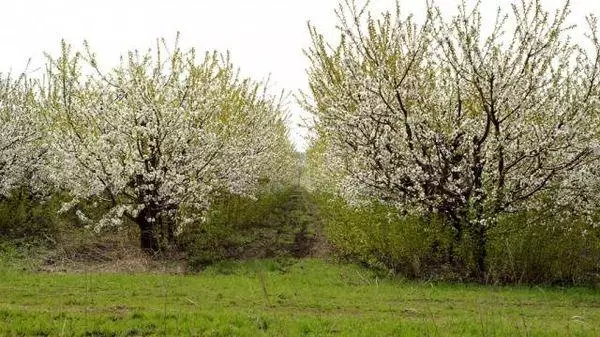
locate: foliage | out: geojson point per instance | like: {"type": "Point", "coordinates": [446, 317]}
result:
{"type": "Point", "coordinates": [277, 223]}
{"type": "Point", "coordinates": [26, 216]}
{"type": "Point", "coordinates": [377, 236]}
{"type": "Point", "coordinates": [537, 247]}
{"type": "Point", "coordinates": [441, 118]}
{"type": "Point", "coordinates": [532, 247]}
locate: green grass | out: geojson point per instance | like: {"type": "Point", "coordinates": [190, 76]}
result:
{"type": "Point", "coordinates": [293, 298]}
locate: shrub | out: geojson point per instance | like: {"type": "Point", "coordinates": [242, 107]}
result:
{"type": "Point", "coordinates": [377, 236]}
{"type": "Point", "coordinates": [25, 215]}
{"type": "Point", "coordinates": [539, 248]}
{"type": "Point", "coordinates": [525, 247]}
{"type": "Point", "coordinates": [275, 224]}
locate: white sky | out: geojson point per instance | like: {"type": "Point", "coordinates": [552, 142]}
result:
{"type": "Point", "coordinates": [265, 37]}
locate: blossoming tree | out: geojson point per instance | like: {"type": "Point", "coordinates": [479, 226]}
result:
{"type": "Point", "coordinates": [440, 117]}
{"type": "Point", "coordinates": [18, 132]}
{"type": "Point", "coordinates": [159, 135]}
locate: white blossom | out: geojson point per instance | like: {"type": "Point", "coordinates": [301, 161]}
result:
{"type": "Point", "coordinates": [20, 151]}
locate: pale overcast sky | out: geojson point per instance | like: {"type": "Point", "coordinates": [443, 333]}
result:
{"type": "Point", "coordinates": [264, 36]}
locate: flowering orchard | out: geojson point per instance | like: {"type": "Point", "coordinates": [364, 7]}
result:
{"type": "Point", "coordinates": [440, 118]}
{"type": "Point", "coordinates": [449, 122]}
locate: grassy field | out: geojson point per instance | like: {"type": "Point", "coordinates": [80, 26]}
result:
{"type": "Point", "coordinates": [285, 298]}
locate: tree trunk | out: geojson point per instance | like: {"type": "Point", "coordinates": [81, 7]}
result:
{"type": "Point", "coordinates": [456, 227]}
{"type": "Point", "coordinates": [170, 232]}
{"type": "Point", "coordinates": [480, 241]}
{"type": "Point", "coordinates": [148, 238]}
{"type": "Point", "coordinates": [166, 225]}
{"type": "Point", "coordinates": [454, 218]}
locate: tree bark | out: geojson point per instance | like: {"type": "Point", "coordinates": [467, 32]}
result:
{"type": "Point", "coordinates": [478, 232]}
{"type": "Point", "coordinates": [457, 228]}
{"type": "Point", "coordinates": [148, 239]}
{"type": "Point", "coordinates": [480, 251]}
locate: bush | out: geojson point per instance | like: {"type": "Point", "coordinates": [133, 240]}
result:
{"type": "Point", "coordinates": [26, 216]}
{"type": "Point", "coordinates": [378, 237]}
{"type": "Point", "coordinates": [277, 223]}
{"type": "Point", "coordinates": [525, 248]}
{"type": "Point", "coordinates": [539, 248]}
{"type": "Point", "coordinates": [18, 255]}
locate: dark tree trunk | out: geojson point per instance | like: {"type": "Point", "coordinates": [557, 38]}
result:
{"type": "Point", "coordinates": [456, 226]}
{"type": "Point", "coordinates": [478, 233]}
{"type": "Point", "coordinates": [480, 252]}
{"type": "Point", "coordinates": [148, 238]}
{"type": "Point", "coordinates": [170, 232]}
{"type": "Point", "coordinates": [477, 226]}
{"type": "Point", "coordinates": [167, 226]}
